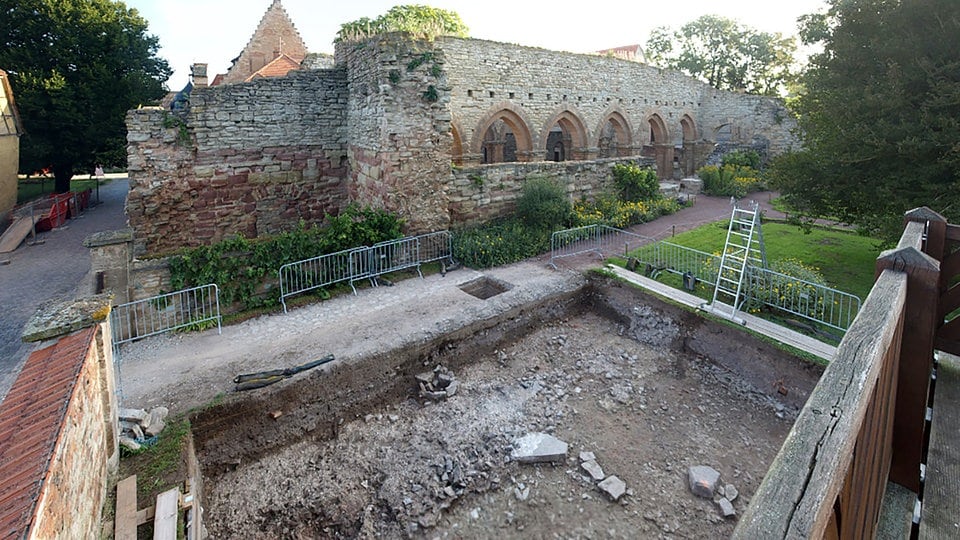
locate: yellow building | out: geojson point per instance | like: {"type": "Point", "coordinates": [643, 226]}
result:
{"type": "Point", "coordinates": [10, 131]}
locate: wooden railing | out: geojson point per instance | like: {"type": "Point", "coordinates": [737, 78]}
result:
{"type": "Point", "coordinates": [864, 423]}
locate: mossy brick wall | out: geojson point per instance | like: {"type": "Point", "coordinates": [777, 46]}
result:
{"type": "Point", "coordinates": [250, 159]}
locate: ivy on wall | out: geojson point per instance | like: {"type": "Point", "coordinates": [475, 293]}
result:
{"type": "Point", "coordinates": [245, 269]}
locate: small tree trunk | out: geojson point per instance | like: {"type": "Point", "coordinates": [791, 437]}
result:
{"type": "Point", "coordinates": [62, 175]}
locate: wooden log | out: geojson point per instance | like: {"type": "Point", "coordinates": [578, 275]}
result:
{"type": "Point", "coordinates": [125, 519]}
{"type": "Point", "coordinates": [800, 491]}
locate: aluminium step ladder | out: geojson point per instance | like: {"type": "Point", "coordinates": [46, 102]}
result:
{"type": "Point", "coordinates": [743, 247]}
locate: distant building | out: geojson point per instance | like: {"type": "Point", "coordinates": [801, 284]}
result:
{"type": "Point", "coordinates": [633, 53]}
{"type": "Point", "coordinates": [10, 131]}
{"type": "Point", "coordinates": [275, 49]}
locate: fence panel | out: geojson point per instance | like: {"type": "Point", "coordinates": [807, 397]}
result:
{"type": "Point", "coordinates": [680, 260]}
{"type": "Point", "coordinates": [811, 301]}
{"type": "Point", "coordinates": [385, 257]}
{"type": "Point", "coordinates": [573, 242]}
{"type": "Point", "coordinates": [165, 313]}
{"type": "Point", "coordinates": [309, 274]}
{"type": "Point", "coordinates": [436, 246]}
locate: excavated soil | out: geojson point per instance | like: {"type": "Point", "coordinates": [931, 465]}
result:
{"type": "Point", "coordinates": [650, 389]}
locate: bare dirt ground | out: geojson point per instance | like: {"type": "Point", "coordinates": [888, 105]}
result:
{"type": "Point", "coordinates": [619, 387]}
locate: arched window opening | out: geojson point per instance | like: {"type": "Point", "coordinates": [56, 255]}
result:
{"type": "Point", "coordinates": [499, 143]}
{"type": "Point", "coordinates": [556, 144]}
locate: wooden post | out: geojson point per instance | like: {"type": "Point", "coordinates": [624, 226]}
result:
{"type": "Point", "coordinates": [916, 354]}
{"type": "Point", "coordinates": [936, 225]}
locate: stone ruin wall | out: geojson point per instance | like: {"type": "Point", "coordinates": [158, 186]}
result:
{"type": "Point", "coordinates": [250, 159]}
{"type": "Point", "coordinates": [399, 140]}
{"type": "Point", "coordinates": [263, 155]}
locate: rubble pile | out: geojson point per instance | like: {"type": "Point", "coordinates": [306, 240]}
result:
{"type": "Point", "coordinates": [437, 384]}
{"type": "Point", "coordinates": [138, 426]}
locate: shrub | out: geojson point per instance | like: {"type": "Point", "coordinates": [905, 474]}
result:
{"type": "Point", "coordinates": [615, 213]}
{"type": "Point", "coordinates": [543, 204]}
{"type": "Point", "coordinates": [742, 158]}
{"type": "Point", "coordinates": [799, 289]}
{"type": "Point", "coordinates": [730, 180]}
{"type": "Point", "coordinates": [635, 184]}
{"type": "Point", "coordinates": [499, 243]}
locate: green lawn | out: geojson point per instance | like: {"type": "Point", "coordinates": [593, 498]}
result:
{"type": "Point", "coordinates": [845, 259]}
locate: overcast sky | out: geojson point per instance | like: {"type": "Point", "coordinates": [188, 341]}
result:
{"type": "Point", "coordinates": [215, 31]}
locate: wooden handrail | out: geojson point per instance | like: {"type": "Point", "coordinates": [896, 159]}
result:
{"type": "Point", "coordinates": [863, 424]}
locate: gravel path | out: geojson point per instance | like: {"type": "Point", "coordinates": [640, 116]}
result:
{"type": "Point", "coordinates": [54, 270]}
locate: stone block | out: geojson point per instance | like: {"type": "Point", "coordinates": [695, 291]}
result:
{"type": "Point", "coordinates": [593, 468]}
{"type": "Point", "coordinates": [726, 507]}
{"type": "Point", "coordinates": [613, 487]}
{"type": "Point", "coordinates": [539, 448]}
{"type": "Point", "coordinates": [703, 480]}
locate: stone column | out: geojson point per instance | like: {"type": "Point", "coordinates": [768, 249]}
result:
{"type": "Point", "coordinates": [110, 256]}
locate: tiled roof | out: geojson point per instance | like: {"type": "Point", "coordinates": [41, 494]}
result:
{"type": "Point", "coordinates": [278, 67]}
{"type": "Point", "coordinates": [31, 418]}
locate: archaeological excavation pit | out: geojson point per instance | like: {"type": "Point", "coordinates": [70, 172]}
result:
{"type": "Point", "coordinates": [360, 450]}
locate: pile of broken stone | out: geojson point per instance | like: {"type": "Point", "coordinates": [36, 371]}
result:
{"type": "Point", "coordinates": [138, 426]}
{"type": "Point", "coordinates": [437, 384]}
{"type": "Point", "coordinates": [545, 448]}
{"type": "Point", "coordinates": [705, 482]}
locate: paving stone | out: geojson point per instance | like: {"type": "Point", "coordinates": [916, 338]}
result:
{"type": "Point", "coordinates": [155, 427]}
{"type": "Point", "coordinates": [613, 487]}
{"type": "Point", "coordinates": [133, 415]}
{"type": "Point", "coordinates": [703, 480]}
{"type": "Point", "coordinates": [587, 456]}
{"type": "Point", "coordinates": [593, 468]}
{"type": "Point", "coordinates": [129, 444]}
{"type": "Point", "coordinates": [538, 448]}
{"type": "Point", "coordinates": [730, 492]}
{"type": "Point", "coordinates": [726, 508]}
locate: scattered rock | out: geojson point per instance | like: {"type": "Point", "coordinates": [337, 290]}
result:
{"type": "Point", "coordinates": [726, 508]}
{"type": "Point", "coordinates": [539, 448]}
{"type": "Point", "coordinates": [132, 428]}
{"type": "Point", "coordinates": [133, 415]}
{"type": "Point", "coordinates": [587, 456]}
{"type": "Point", "coordinates": [129, 443]}
{"type": "Point", "coordinates": [522, 494]}
{"type": "Point", "coordinates": [276, 414]}
{"type": "Point", "coordinates": [730, 492]}
{"type": "Point", "coordinates": [594, 469]}
{"type": "Point", "coordinates": [613, 487]}
{"type": "Point", "coordinates": [437, 384]}
{"type": "Point", "coordinates": [703, 480]}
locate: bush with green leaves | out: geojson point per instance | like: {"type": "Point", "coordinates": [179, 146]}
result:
{"type": "Point", "coordinates": [543, 204]}
{"type": "Point", "coordinates": [245, 269]}
{"type": "Point", "coordinates": [742, 158]}
{"type": "Point", "coordinates": [634, 183]}
{"type": "Point", "coordinates": [799, 286]}
{"type": "Point", "coordinates": [499, 243]}
{"type": "Point", "coordinates": [730, 180]}
{"type": "Point", "coordinates": [610, 211]}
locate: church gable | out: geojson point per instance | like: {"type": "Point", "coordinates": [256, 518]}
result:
{"type": "Point", "coordinates": [275, 36]}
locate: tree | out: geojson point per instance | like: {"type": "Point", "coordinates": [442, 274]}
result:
{"type": "Point", "coordinates": [77, 66]}
{"type": "Point", "coordinates": [726, 55]}
{"type": "Point", "coordinates": [880, 114]}
{"type": "Point", "coordinates": [420, 21]}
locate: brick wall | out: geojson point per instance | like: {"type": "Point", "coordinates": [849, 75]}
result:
{"type": "Point", "coordinates": [248, 159]}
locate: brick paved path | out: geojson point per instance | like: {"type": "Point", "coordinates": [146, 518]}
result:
{"type": "Point", "coordinates": [53, 270]}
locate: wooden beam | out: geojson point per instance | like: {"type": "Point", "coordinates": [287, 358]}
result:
{"type": "Point", "coordinates": [125, 520]}
{"type": "Point", "coordinates": [800, 490]}
{"type": "Point", "coordinates": [168, 509]}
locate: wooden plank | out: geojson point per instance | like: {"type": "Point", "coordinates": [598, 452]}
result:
{"type": "Point", "coordinates": [940, 516]}
{"type": "Point", "coordinates": [145, 515]}
{"type": "Point", "coordinates": [798, 494]}
{"type": "Point", "coordinates": [15, 234]}
{"type": "Point", "coordinates": [125, 520]}
{"type": "Point", "coordinates": [168, 508]}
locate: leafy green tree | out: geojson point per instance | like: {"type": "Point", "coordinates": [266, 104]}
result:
{"type": "Point", "coordinates": [420, 21]}
{"type": "Point", "coordinates": [76, 67]}
{"type": "Point", "coordinates": [725, 54]}
{"type": "Point", "coordinates": [880, 114]}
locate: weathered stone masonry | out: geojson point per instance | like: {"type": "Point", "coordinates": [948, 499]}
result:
{"type": "Point", "coordinates": [418, 128]}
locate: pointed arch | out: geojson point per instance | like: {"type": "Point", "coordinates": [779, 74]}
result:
{"type": "Point", "coordinates": [658, 144]}
{"type": "Point", "coordinates": [614, 135]}
{"type": "Point", "coordinates": [657, 130]}
{"type": "Point", "coordinates": [456, 149]}
{"type": "Point", "coordinates": [503, 135]}
{"type": "Point", "coordinates": [688, 128]}
{"type": "Point", "coordinates": [565, 136]}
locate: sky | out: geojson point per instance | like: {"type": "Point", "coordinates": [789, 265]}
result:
{"type": "Point", "coordinates": [215, 31]}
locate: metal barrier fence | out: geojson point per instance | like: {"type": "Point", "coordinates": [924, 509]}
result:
{"type": "Point", "coordinates": [599, 239]}
{"type": "Point", "coordinates": [812, 301]}
{"type": "Point", "coordinates": [165, 313]}
{"type": "Point", "coordinates": [364, 263]}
